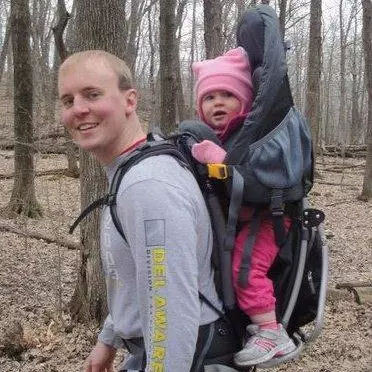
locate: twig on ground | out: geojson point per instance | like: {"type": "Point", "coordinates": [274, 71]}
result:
{"type": "Point", "coordinates": [340, 168]}
{"type": "Point", "coordinates": [49, 172]}
{"type": "Point", "coordinates": [340, 202]}
{"type": "Point", "coordinates": [38, 236]}
{"type": "Point", "coordinates": [335, 183]}
{"type": "Point", "coordinates": [351, 287]}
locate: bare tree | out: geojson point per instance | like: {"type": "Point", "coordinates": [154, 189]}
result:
{"type": "Point", "coordinates": [133, 26]}
{"type": "Point", "coordinates": [314, 68]}
{"type": "Point", "coordinates": [282, 16]}
{"type": "Point", "coordinates": [329, 124]}
{"type": "Point", "coordinates": [41, 21]}
{"type": "Point", "coordinates": [179, 90]}
{"type": "Point", "coordinates": [356, 72]}
{"type": "Point", "coordinates": [192, 59]}
{"type": "Point", "coordinates": [23, 198]}
{"type": "Point", "coordinates": [154, 118]}
{"type": "Point", "coordinates": [60, 55]}
{"type": "Point", "coordinates": [167, 65]}
{"type": "Point", "coordinates": [344, 34]}
{"type": "Point", "coordinates": [367, 46]}
{"type": "Point", "coordinates": [97, 25]}
{"type": "Point", "coordinates": [213, 28]}
{"type": "Point", "coordinates": [4, 48]}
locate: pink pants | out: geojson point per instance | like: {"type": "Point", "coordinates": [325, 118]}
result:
{"type": "Point", "coordinates": [258, 296]}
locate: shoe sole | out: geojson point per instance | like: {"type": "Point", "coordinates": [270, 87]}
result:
{"type": "Point", "coordinates": [265, 357]}
{"type": "Point", "coordinates": [278, 360]}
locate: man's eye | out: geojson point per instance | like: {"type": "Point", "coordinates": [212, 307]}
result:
{"type": "Point", "coordinates": [67, 102]}
{"type": "Point", "coordinates": [93, 95]}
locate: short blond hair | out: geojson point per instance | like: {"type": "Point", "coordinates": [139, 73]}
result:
{"type": "Point", "coordinates": [118, 65]}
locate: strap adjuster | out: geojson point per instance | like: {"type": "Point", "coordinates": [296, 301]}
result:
{"type": "Point", "coordinates": [219, 171]}
{"type": "Point", "coordinates": [277, 212]}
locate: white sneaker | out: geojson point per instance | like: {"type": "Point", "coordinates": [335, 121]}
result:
{"type": "Point", "coordinates": [263, 345]}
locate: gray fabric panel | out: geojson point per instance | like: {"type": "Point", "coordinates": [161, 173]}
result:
{"type": "Point", "coordinates": [274, 62]}
{"type": "Point", "coordinates": [280, 159]}
{"type": "Point", "coordinates": [274, 71]}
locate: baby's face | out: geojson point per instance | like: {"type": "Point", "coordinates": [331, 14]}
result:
{"type": "Point", "coordinates": [219, 107]}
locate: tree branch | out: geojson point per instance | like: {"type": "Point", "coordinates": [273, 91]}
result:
{"type": "Point", "coordinates": [38, 236]}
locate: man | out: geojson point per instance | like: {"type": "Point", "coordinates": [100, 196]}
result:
{"type": "Point", "coordinates": [153, 281]}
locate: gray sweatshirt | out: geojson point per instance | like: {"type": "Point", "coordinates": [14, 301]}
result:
{"type": "Point", "coordinates": [153, 281]}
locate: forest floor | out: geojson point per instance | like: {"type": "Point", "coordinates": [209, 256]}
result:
{"type": "Point", "coordinates": [37, 278]}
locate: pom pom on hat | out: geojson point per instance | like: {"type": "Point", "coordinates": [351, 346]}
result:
{"type": "Point", "coordinates": [230, 72]}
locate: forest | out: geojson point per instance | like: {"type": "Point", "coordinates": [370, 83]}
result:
{"type": "Point", "coordinates": [52, 296]}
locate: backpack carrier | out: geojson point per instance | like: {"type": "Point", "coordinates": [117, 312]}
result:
{"type": "Point", "coordinates": [269, 165]}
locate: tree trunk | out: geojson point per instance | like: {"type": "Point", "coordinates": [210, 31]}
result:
{"type": "Point", "coordinates": [168, 76]}
{"type": "Point", "coordinates": [312, 111]}
{"type": "Point", "coordinates": [23, 198]}
{"type": "Point", "coordinates": [367, 46]}
{"type": "Point", "coordinates": [282, 16]}
{"type": "Point", "coordinates": [4, 48]}
{"type": "Point", "coordinates": [356, 119]}
{"type": "Point", "coordinates": [60, 55]}
{"type": "Point", "coordinates": [213, 38]}
{"type": "Point", "coordinates": [182, 115]}
{"type": "Point", "coordinates": [344, 34]}
{"type": "Point", "coordinates": [342, 114]}
{"type": "Point", "coordinates": [97, 25]}
{"type": "Point", "coordinates": [299, 47]}
{"type": "Point", "coordinates": [154, 116]}
{"type": "Point", "coordinates": [136, 15]}
{"type": "Point", "coordinates": [329, 124]}
{"type": "Point", "coordinates": [192, 59]}
{"type": "Point", "coordinates": [41, 40]}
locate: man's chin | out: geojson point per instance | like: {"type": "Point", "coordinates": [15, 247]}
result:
{"type": "Point", "coordinates": [86, 145]}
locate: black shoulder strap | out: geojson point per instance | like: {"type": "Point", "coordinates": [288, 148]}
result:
{"type": "Point", "coordinates": [277, 214]}
{"type": "Point", "coordinates": [150, 148]}
{"type": "Point", "coordinates": [90, 208]}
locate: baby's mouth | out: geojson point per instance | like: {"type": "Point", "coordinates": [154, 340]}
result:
{"type": "Point", "coordinates": [219, 113]}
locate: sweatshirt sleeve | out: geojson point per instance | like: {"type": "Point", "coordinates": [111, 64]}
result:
{"type": "Point", "coordinates": [160, 226]}
{"type": "Point", "coordinates": [108, 335]}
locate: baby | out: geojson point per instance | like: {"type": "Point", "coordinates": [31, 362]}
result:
{"type": "Point", "coordinates": [224, 95]}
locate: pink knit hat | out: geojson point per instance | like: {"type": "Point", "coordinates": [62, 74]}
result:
{"type": "Point", "coordinates": [230, 72]}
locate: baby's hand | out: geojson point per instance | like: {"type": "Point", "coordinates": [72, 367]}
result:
{"type": "Point", "coordinates": [207, 152]}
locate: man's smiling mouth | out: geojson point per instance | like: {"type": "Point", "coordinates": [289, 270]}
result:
{"type": "Point", "coordinates": [86, 126]}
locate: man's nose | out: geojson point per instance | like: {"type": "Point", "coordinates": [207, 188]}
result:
{"type": "Point", "coordinates": [80, 106]}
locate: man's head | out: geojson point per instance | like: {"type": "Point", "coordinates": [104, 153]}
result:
{"type": "Point", "coordinates": [228, 73]}
{"type": "Point", "coordinates": [117, 65]}
{"type": "Point", "coordinates": [99, 103]}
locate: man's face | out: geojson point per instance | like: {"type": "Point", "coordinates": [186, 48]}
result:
{"type": "Point", "coordinates": [94, 110]}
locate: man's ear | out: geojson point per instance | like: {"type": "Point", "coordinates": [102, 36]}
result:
{"type": "Point", "coordinates": [131, 97]}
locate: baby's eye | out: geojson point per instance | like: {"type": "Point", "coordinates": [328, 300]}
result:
{"type": "Point", "coordinates": [208, 97]}
{"type": "Point", "coordinates": [228, 94]}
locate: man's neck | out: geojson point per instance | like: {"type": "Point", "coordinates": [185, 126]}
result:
{"type": "Point", "coordinates": [130, 136]}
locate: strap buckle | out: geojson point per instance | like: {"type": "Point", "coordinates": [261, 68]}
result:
{"type": "Point", "coordinates": [277, 212]}
{"type": "Point", "coordinates": [219, 171]}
